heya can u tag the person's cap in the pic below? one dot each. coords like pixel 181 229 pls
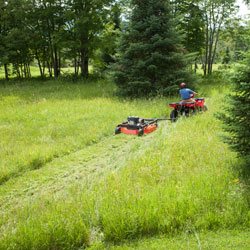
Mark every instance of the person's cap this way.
pixel 183 85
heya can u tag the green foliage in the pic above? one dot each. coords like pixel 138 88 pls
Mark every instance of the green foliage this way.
pixel 54 34
pixel 237 117
pixel 106 55
pixel 226 58
pixel 151 58
pixel 50 33
pixel 191 23
pixel 236 37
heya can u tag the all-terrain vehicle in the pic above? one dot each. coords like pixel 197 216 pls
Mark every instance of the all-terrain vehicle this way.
pixel 187 108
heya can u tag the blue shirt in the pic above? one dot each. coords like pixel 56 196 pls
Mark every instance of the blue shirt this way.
pixel 185 93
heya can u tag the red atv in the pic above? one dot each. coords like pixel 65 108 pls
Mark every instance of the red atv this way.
pixel 187 108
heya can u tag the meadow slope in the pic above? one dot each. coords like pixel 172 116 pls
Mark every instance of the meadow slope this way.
pixel 68 183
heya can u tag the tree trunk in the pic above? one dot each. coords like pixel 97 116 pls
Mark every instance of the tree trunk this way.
pixel 84 63
pixel 210 50
pixel 6 72
pixel 49 69
pixel 86 66
pixel 24 70
pixel 60 63
pixel 21 70
pixel 17 71
pixel 28 70
pixel 76 65
pixel 43 68
pixel 206 48
pixel 215 44
pixel 39 65
pixel 56 63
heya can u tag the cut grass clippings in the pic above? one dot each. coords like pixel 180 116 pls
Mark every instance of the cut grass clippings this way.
pixel 228 240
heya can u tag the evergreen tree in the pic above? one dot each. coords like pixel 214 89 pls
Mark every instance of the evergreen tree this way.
pixel 237 116
pixel 151 58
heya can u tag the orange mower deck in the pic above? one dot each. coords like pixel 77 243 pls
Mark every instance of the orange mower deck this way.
pixel 148 129
pixel 138 126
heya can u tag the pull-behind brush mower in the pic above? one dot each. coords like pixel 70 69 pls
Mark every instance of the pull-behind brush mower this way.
pixel 138 126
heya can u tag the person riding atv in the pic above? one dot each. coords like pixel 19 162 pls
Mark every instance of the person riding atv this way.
pixel 188 105
pixel 186 94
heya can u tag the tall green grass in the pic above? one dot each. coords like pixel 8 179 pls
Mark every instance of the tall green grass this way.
pixel 183 182
pixel 177 179
pixel 40 121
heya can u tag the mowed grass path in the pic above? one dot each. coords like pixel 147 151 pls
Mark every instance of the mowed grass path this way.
pixel 188 240
pixel 177 179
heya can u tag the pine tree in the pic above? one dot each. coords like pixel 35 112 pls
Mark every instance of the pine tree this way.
pixel 237 116
pixel 151 58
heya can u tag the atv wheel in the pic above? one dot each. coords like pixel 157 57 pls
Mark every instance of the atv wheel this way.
pixel 187 112
pixel 117 130
pixel 204 108
pixel 193 111
pixel 174 115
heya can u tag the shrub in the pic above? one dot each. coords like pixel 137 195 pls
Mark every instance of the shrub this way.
pixel 236 117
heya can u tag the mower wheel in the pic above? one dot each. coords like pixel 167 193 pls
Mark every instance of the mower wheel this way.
pixel 140 132
pixel 174 115
pixel 117 130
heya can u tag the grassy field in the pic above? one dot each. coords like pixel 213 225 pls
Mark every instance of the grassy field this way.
pixel 68 183
pixel 43 121
pixel 36 73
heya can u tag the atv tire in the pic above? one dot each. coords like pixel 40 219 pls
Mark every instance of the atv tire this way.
pixel 204 108
pixel 174 115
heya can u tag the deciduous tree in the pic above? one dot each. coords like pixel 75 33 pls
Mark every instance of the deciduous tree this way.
pixel 216 12
pixel 87 20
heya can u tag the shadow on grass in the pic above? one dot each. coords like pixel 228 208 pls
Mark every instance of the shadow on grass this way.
pixel 34 164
